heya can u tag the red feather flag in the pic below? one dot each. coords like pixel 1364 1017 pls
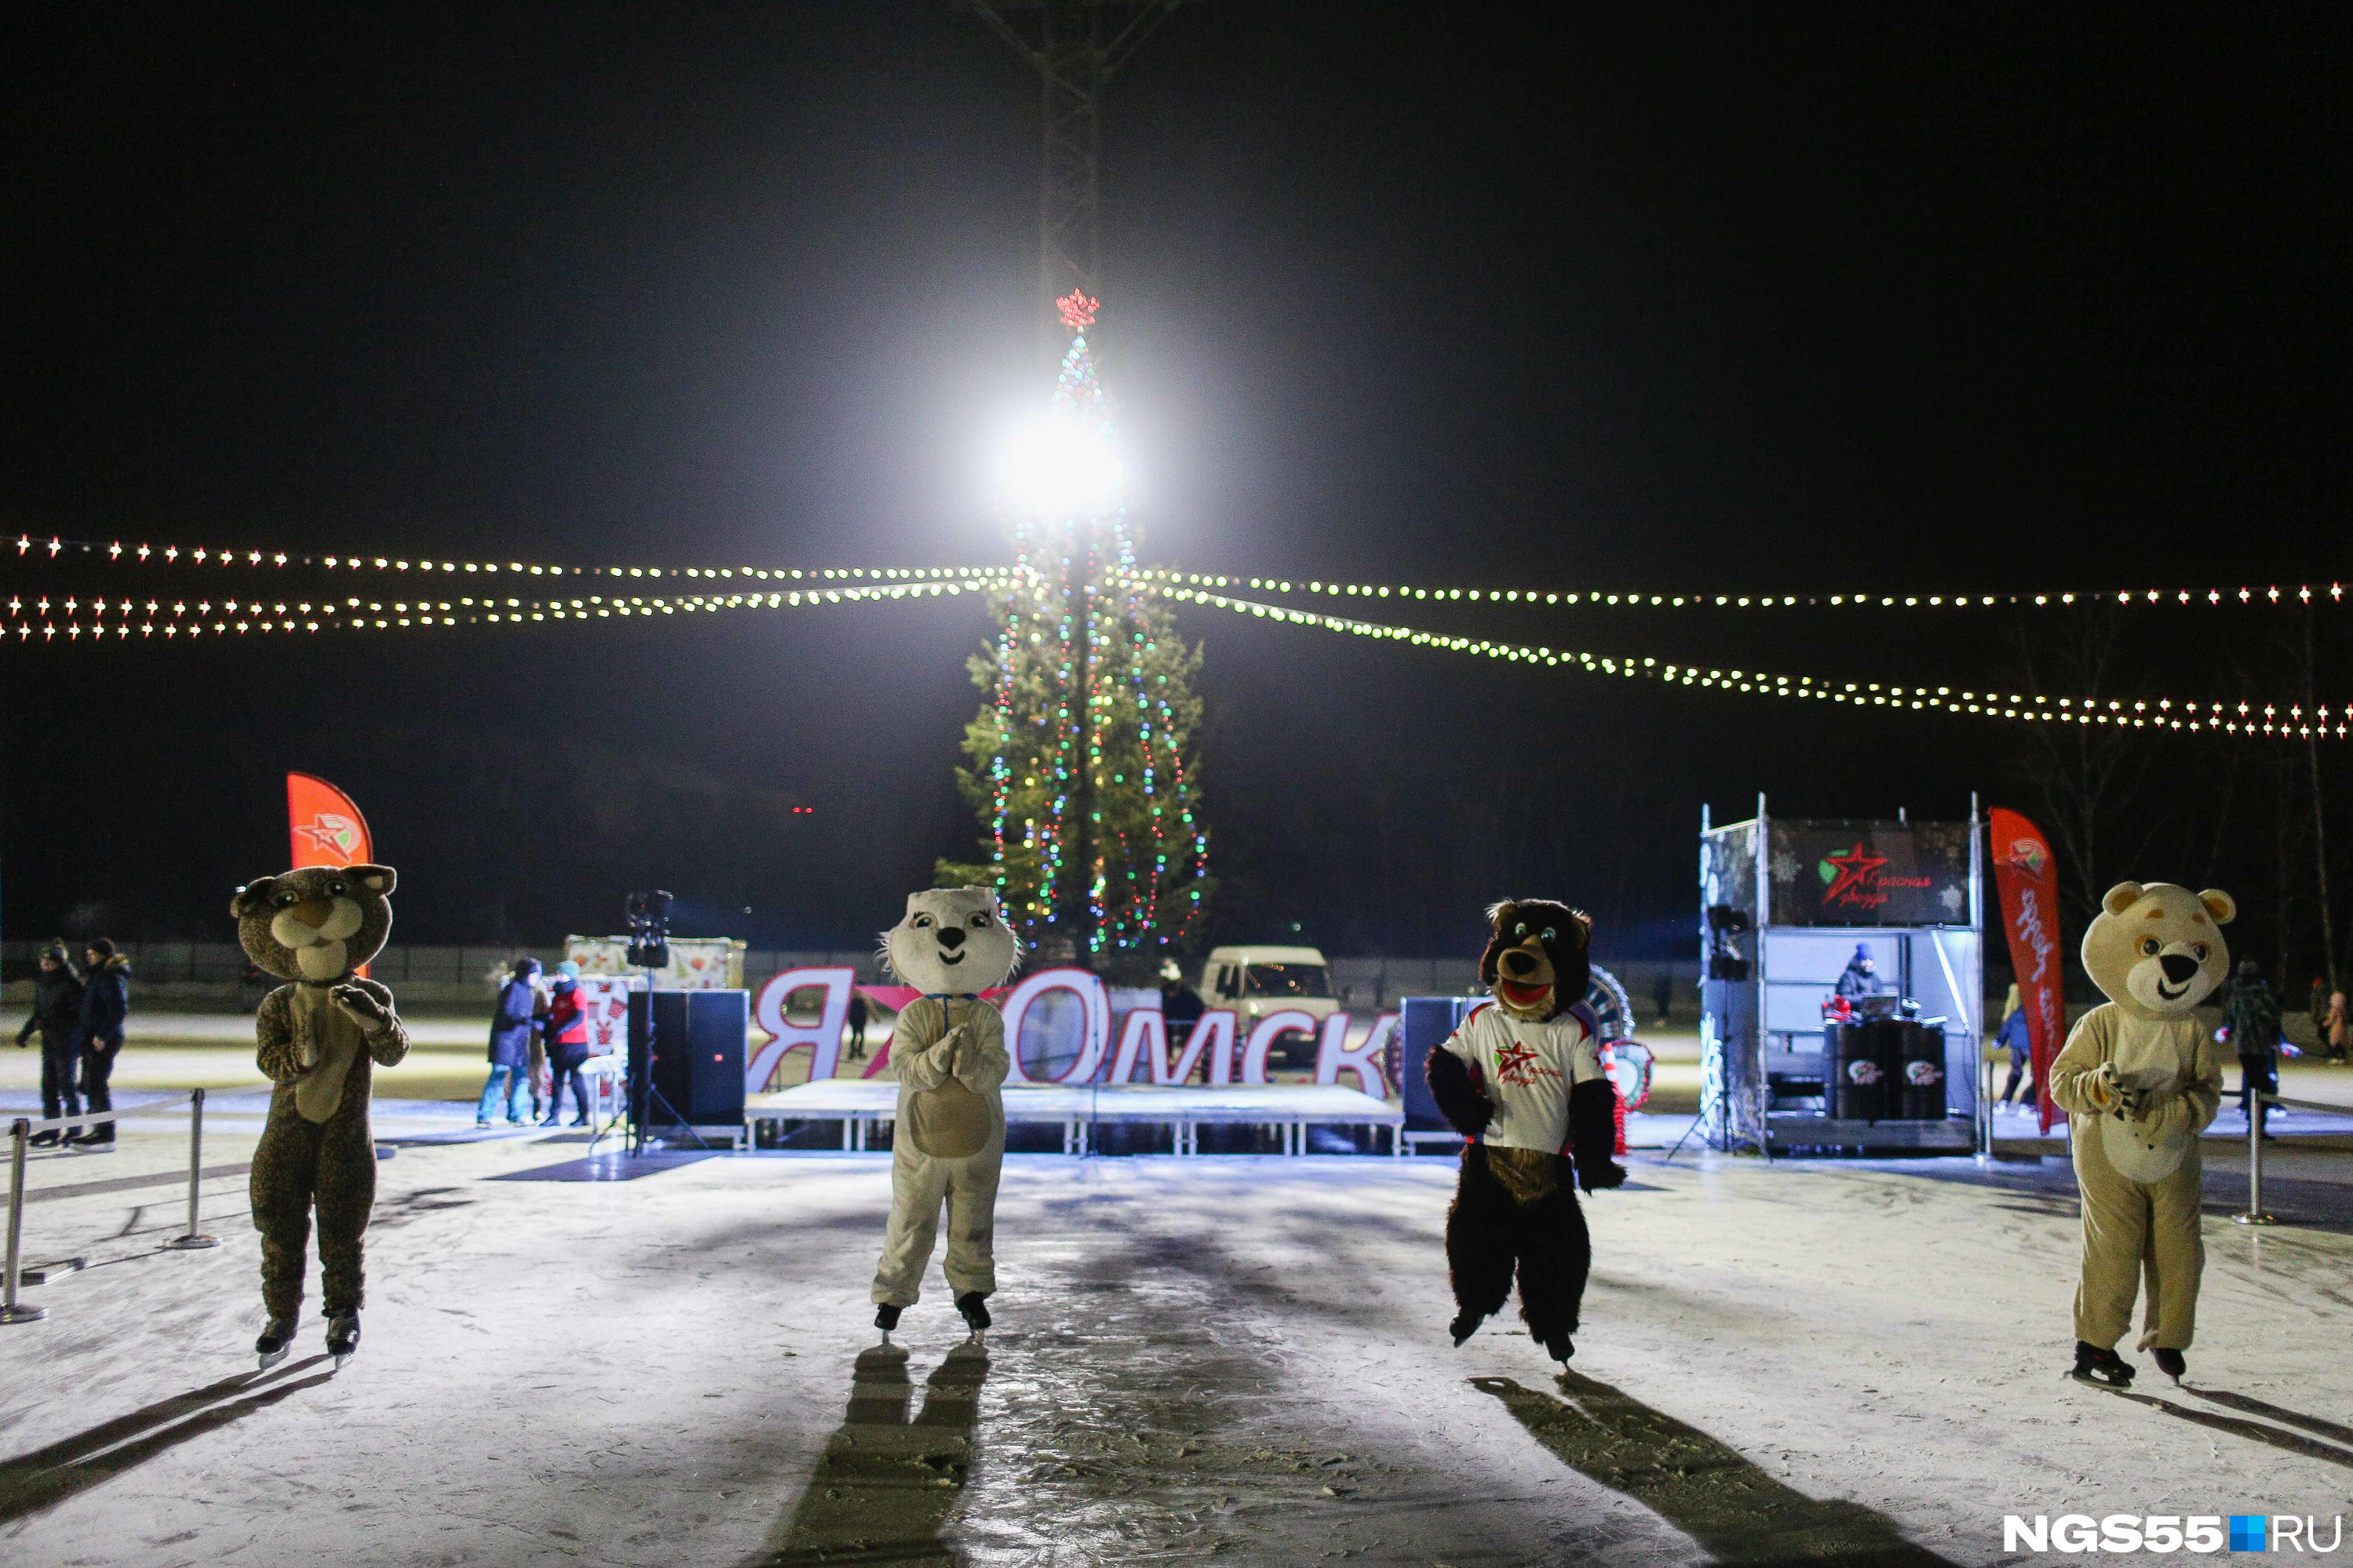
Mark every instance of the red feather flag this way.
pixel 2029 882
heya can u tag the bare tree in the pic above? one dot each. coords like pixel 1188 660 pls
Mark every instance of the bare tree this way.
pixel 2088 782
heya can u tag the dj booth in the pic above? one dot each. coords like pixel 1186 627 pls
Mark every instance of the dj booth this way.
pixel 1801 1048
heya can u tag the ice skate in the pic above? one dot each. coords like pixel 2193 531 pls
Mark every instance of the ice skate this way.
pixel 2172 1363
pixel 277 1338
pixel 342 1337
pixel 886 1318
pixel 1463 1326
pixel 1559 1348
pixel 975 1308
pixel 2104 1367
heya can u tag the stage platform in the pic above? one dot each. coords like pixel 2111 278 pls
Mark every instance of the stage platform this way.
pixel 857 1105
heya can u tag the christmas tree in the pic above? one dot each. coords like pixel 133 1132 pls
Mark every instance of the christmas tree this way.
pixel 1081 767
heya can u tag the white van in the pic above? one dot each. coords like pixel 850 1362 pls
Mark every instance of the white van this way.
pixel 1257 981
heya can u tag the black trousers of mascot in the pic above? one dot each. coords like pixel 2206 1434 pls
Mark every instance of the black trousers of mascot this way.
pixel 302 1164
pixel 1490 1235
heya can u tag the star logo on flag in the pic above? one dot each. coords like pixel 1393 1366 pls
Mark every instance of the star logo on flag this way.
pixel 333 834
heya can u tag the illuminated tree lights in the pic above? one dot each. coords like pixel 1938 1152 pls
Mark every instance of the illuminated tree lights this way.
pixel 2164 713
pixel 1079 766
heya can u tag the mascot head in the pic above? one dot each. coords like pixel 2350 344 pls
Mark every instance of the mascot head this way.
pixel 2157 949
pixel 1535 961
pixel 317 924
pixel 953 942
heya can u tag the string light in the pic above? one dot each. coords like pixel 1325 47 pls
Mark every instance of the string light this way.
pixel 28 547
pixel 2301 595
pixel 2164 713
pixel 203 617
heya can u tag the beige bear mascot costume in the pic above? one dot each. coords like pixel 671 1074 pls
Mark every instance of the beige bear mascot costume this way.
pixel 949 1142
pixel 321 1039
pixel 2141 1078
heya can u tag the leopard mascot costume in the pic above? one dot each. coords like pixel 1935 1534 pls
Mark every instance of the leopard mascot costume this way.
pixel 321 1039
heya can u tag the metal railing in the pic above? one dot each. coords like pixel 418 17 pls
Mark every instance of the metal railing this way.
pixel 20 1133
pixel 2256 1213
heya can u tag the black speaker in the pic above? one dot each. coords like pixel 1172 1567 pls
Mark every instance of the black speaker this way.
pixel 1423 1025
pixel 697 1066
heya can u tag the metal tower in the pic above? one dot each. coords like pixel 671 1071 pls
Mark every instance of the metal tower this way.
pixel 1074 46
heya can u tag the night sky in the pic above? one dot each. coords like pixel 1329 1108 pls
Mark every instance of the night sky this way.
pixel 1905 298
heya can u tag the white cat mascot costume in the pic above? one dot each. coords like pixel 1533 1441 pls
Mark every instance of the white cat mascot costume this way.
pixel 949 1145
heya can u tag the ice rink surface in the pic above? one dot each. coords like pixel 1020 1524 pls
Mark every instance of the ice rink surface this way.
pixel 1237 1359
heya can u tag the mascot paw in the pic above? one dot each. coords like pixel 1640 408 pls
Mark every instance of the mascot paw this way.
pixel 1471 1119
pixel 372 1015
pixel 1604 1174
pixel 1463 1326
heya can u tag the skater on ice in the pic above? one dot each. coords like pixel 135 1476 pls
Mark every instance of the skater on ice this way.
pixel 321 1039
pixel 1521 1081
pixel 949 1050
pixel 2142 1079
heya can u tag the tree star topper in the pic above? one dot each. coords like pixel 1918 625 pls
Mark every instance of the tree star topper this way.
pixel 1078 310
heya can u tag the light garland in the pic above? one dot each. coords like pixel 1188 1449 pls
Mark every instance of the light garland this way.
pixel 2163 713
pixel 233 616
pixel 2302 594
pixel 116 553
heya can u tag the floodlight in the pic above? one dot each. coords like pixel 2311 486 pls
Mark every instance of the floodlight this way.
pixel 1063 467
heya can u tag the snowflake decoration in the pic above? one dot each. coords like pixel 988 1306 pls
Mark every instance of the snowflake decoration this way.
pixel 1078 310
pixel 1951 898
pixel 1785 866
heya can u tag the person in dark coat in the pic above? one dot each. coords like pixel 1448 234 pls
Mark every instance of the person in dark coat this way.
pixel 2251 1023
pixel 1180 1004
pixel 566 1033
pixel 1860 976
pixel 57 1013
pixel 511 1027
pixel 857 1016
pixel 105 1005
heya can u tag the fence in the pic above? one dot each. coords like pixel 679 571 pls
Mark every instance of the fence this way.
pixel 458 975
pixel 20 1133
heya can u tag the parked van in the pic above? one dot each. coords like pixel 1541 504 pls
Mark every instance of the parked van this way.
pixel 1257 981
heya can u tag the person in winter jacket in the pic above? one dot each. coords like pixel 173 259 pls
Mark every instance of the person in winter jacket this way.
pixel 57 1013
pixel 105 1004
pixel 1860 976
pixel 2250 1019
pixel 511 1028
pixel 566 1033
pixel 2021 1052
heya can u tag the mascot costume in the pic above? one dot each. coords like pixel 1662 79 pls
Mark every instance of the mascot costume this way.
pixel 1521 1081
pixel 949 1145
pixel 320 1038
pixel 2142 1079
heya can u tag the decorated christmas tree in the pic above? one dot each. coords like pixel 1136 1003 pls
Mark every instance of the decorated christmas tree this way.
pixel 1081 767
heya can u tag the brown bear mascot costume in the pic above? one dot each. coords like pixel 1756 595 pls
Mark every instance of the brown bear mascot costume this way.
pixel 320 1038
pixel 1522 1079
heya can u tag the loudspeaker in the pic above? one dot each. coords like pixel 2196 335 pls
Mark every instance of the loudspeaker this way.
pixel 697 1066
pixel 1423 1025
